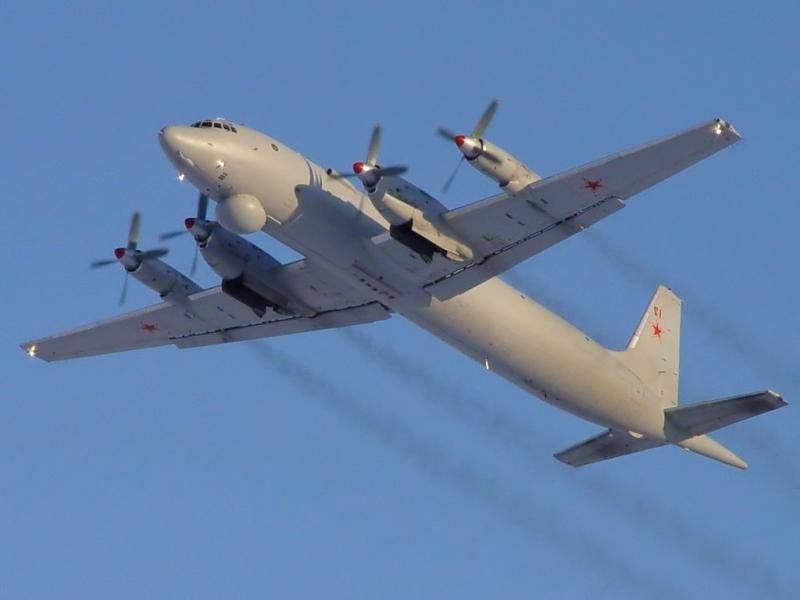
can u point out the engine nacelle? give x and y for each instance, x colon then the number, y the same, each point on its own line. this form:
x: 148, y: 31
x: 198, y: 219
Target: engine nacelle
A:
x: 164, y: 280
x: 231, y: 256
x: 246, y: 271
x: 503, y: 167
x: 413, y: 216
x: 494, y: 162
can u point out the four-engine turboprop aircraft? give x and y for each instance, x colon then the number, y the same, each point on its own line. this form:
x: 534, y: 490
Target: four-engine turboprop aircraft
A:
x: 393, y: 248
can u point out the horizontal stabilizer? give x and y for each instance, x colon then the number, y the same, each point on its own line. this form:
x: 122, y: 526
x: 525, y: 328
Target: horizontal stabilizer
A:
x: 696, y: 419
x: 609, y: 444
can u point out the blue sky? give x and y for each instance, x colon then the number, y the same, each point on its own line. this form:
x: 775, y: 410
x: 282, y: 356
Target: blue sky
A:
x: 324, y: 464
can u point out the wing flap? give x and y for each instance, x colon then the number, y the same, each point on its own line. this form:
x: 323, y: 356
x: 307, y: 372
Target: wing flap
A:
x: 607, y: 445
x: 343, y: 317
x: 697, y: 419
x: 515, y: 252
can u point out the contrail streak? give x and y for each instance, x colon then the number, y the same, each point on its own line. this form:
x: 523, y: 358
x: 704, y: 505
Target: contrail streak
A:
x: 716, y: 324
x: 517, y: 508
x: 543, y: 295
x: 497, y: 424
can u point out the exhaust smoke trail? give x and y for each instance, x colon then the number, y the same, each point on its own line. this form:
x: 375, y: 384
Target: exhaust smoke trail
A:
x: 517, y: 508
x: 748, y: 348
x: 495, y: 423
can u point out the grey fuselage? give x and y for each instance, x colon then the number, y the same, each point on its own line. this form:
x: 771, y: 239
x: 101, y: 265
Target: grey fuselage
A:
x: 331, y: 222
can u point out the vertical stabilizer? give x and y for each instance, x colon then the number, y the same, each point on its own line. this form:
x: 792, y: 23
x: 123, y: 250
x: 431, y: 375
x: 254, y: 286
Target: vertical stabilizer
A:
x: 653, y: 352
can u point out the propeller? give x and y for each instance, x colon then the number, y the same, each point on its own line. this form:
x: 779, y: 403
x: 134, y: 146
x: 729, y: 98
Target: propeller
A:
x: 191, y: 224
x: 369, y: 171
x: 471, y: 146
x: 130, y: 256
x: 202, y: 209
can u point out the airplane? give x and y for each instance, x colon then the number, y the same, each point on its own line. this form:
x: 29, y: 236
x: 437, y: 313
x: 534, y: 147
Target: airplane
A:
x: 392, y: 248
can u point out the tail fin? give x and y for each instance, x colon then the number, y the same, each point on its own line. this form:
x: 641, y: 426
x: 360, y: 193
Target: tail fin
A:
x: 653, y: 352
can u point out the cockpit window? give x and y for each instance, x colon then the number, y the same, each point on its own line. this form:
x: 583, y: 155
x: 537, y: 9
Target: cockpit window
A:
x: 216, y: 124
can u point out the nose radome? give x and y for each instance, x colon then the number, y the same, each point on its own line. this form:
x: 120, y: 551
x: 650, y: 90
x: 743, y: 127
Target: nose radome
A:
x: 170, y: 138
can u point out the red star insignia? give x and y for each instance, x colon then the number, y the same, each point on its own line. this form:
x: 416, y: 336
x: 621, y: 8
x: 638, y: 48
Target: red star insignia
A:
x: 657, y: 331
x: 593, y: 184
x: 149, y: 327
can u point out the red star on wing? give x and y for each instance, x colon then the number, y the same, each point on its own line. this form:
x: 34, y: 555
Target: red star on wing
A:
x: 657, y: 331
x: 593, y: 184
x: 149, y: 327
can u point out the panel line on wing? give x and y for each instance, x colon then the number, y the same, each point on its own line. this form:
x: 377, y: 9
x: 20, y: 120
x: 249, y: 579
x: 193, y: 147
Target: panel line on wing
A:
x: 565, y: 221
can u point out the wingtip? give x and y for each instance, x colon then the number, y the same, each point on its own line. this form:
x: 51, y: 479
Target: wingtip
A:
x: 778, y: 400
x: 559, y: 456
x: 723, y: 127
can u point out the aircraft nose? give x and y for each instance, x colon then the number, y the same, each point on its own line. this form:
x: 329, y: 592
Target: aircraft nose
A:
x: 171, y: 138
x: 179, y: 143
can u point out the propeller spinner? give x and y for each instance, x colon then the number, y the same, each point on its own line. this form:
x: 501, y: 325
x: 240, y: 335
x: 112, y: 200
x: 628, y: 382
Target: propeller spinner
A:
x: 471, y: 146
x: 369, y: 171
x: 196, y: 225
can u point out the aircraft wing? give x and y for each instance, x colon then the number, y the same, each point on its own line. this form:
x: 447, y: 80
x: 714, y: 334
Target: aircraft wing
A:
x: 212, y: 317
x: 609, y: 444
x: 507, y: 229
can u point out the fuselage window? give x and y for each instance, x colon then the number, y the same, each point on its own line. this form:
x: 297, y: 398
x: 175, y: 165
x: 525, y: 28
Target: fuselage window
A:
x: 218, y: 125
x: 233, y: 129
x: 226, y: 127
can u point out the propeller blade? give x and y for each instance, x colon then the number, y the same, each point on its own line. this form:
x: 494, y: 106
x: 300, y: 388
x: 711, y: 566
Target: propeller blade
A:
x: 172, y: 234
x: 202, y: 207
x: 374, y: 144
x: 450, y: 179
x: 360, y: 211
x: 151, y: 254
x: 338, y: 175
x: 485, y: 119
x: 133, y: 232
x: 389, y: 171
x: 96, y: 264
x: 446, y: 134
x: 193, y: 270
x: 124, y: 293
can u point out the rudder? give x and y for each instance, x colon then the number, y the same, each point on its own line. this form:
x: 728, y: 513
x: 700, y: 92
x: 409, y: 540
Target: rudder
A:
x: 653, y: 352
